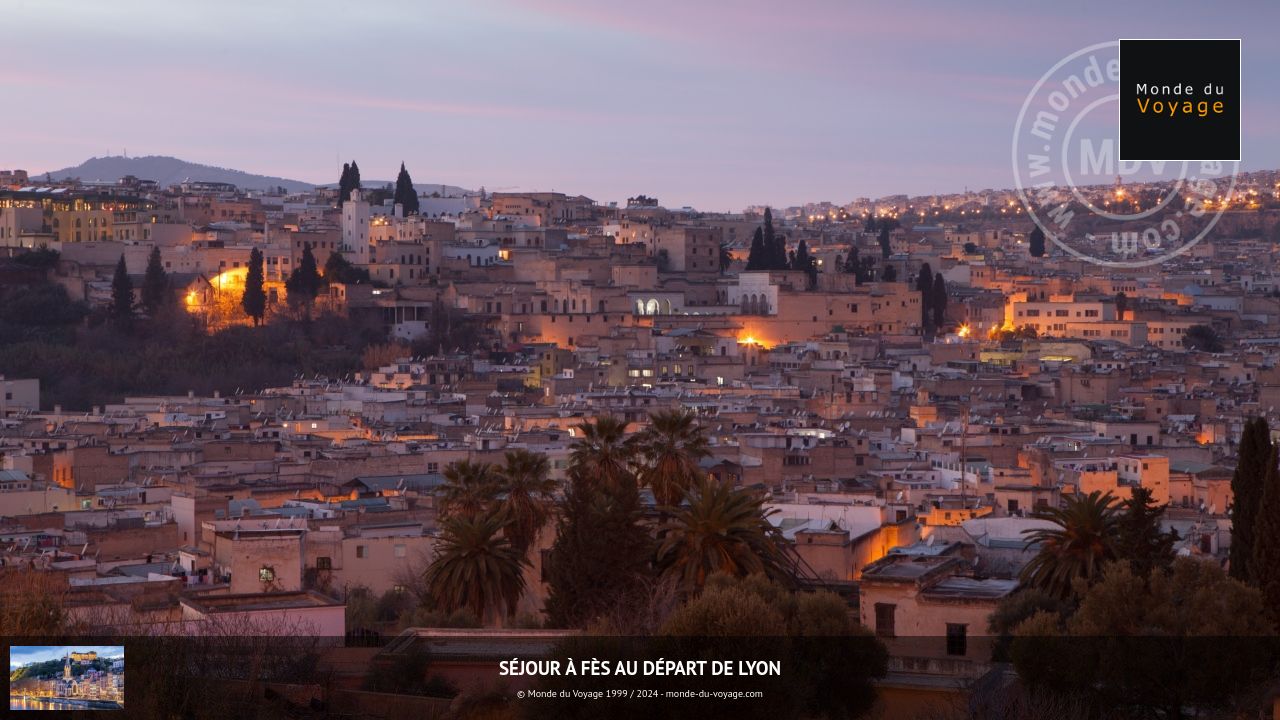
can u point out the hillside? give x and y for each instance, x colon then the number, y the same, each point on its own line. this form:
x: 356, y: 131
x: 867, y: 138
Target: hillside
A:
x: 168, y: 171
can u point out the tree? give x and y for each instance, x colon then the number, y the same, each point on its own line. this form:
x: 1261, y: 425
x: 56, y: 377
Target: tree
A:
x: 1190, y: 637
x: 924, y: 285
x: 1083, y: 541
x: 775, y: 246
x: 349, y: 181
x: 337, y: 269
x: 1203, y: 338
x: 1122, y: 302
x: 602, y: 555
x: 406, y: 196
x: 889, y: 274
x: 938, y: 299
x: 155, y: 284
x: 1140, y: 540
x: 121, y: 307
x: 1035, y: 242
x: 671, y: 448
x: 469, y: 488
x: 1246, y: 489
x: 304, y: 282
x: 602, y: 455
x: 885, y: 248
x: 476, y: 567
x: 526, y: 495
x: 721, y: 529
x: 1266, y: 541
x: 970, y: 249
x: 756, y: 258
x: 254, y: 300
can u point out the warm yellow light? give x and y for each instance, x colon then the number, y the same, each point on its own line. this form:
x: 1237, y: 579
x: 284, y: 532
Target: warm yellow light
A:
x: 964, y: 331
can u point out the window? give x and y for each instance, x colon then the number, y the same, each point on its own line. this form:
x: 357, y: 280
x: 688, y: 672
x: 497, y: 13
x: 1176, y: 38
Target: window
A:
x: 957, y: 639
x: 360, y: 551
x: 884, y: 619
x: 324, y: 563
x: 267, y: 574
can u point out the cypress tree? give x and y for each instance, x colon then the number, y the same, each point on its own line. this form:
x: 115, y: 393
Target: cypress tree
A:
x: 1036, y: 242
x: 1265, y: 564
x: 775, y: 248
x: 889, y: 274
x: 756, y: 259
x: 939, y: 300
x: 254, y: 300
x: 924, y: 285
x: 121, y: 307
x: 1246, y: 488
x: 155, y: 284
x: 1141, y: 541
x: 885, y: 249
x: 344, y: 183
x: 601, y: 555
x: 304, y: 282
x: 355, y: 176
x: 405, y: 195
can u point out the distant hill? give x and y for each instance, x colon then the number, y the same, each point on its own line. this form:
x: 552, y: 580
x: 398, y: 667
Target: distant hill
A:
x: 168, y: 171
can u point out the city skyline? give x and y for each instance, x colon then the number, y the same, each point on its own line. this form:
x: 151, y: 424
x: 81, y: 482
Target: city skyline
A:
x: 759, y: 106
x: 22, y: 655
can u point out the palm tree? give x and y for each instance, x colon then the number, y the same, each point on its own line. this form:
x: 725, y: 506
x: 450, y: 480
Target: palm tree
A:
x: 671, y: 447
x: 469, y: 488
x: 602, y: 454
x: 720, y: 529
x: 1083, y: 541
x: 526, y: 495
x: 476, y: 566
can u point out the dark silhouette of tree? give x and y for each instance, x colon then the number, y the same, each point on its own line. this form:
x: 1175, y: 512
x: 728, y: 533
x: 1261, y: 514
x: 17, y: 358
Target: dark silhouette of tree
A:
x: 775, y: 247
x: 304, y: 282
x: 155, y: 284
x: 602, y: 554
x: 938, y: 299
x: 1082, y: 542
x: 885, y: 249
x: 1140, y: 539
x: 757, y: 259
x: 476, y: 566
x: 254, y: 300
x: 924, y: 285
x: 889, y: 274
x: 121, y: 307
x: 1266, y: 540
x: 970, y: 249
x: 338, y: 270
x: 869, y: 225
x: 1035, y: 242
x: 1122, y: 304
x: 1181, y: 643
x: 721, y: 529
x: 1246, y: 489
x: 1202, y: 337
x: 406, y: 196
x: 671, y: 448
x: 525, y: 494
x: 349, y: 181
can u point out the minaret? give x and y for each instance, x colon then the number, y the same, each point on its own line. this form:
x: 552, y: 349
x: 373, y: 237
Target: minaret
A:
x: 66, y: 667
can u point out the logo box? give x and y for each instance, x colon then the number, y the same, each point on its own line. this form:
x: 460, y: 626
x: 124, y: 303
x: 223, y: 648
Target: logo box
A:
x: 1180, y: 100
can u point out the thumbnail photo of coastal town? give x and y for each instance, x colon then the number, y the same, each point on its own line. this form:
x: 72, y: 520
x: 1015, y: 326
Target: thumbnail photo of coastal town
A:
x: 586, y: 359
x: 63, y: 677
